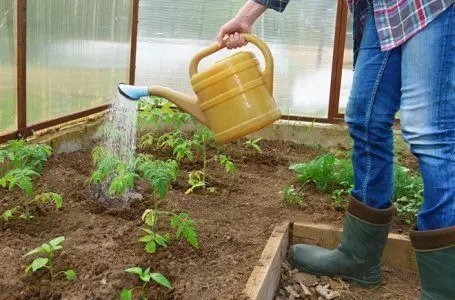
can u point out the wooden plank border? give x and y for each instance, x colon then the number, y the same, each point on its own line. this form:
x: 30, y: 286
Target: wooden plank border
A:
x: 265, y: 278
x: 397, y: 253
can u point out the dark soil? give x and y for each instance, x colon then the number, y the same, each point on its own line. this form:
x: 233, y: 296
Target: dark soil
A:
x: 234, y: 226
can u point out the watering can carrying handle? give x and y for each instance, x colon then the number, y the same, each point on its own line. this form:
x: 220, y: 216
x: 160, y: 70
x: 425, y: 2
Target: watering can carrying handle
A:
x: 267, y: 74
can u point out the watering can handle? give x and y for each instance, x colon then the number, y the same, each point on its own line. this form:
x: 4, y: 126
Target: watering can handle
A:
x: 267, y: 74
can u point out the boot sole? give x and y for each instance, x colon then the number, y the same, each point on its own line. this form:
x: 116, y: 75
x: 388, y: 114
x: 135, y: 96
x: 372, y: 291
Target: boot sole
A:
x: 354, y: 281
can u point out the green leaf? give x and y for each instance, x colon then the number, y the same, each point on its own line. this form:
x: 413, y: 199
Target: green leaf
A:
x: 160, y: 240
x: 159, y: 278
x: 34, y: 251
x: 9, y: 214
x: 126, y: 294
x: 150, y: 247
x: 39, y: 263
x: 134, y: 270
x: 70, y: 274
x: 47, y: 248
x: 146, y: 238
x: 56, y: 241
x: 145, y: 276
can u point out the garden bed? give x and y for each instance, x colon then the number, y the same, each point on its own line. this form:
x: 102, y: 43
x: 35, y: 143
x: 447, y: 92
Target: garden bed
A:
x: 233, y: 224
x: 273, y: 278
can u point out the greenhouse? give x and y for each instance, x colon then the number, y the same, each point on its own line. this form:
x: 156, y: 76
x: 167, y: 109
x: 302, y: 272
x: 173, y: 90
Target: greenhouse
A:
x: 241, y: 149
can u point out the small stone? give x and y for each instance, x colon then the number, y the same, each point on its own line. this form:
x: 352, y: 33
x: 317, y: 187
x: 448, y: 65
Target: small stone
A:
x: 297, y: 288
x: 324, y: 280
x: 305, y: 291
x: 103, y: 281
x: 326, y: 293
x: 286, y: 266
x: 306, y: 279
x: 291, y: 291
x: 337, y: 284
x: 386, y: 269
x: 387, y: 296
x: 294, y: 271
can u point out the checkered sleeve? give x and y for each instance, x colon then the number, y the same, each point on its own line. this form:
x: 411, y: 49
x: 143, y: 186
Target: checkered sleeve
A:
x: 278, y: 5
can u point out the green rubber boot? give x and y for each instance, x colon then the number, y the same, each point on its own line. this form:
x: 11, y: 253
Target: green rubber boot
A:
x: 358, y: 258
x: 435, y: 254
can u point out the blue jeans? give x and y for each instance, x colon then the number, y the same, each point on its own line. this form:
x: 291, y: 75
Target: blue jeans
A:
x: 419, y: 79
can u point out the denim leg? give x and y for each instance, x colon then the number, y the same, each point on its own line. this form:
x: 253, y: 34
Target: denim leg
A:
x: 373, y: 103
x: 428, y: 116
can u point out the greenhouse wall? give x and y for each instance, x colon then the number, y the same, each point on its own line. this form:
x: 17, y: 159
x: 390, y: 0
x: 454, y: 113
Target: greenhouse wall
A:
x: 62, y: 59
x: 8, y: 65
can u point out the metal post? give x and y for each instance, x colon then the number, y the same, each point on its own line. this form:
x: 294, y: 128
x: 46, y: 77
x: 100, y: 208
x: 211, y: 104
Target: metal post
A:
x: 134, y: 25
x: 21, y: 66
x: 337, y: 61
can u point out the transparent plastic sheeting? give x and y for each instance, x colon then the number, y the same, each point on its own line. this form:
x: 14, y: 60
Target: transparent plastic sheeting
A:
x: 348, y: 73
x: 77, y: 53
x: 7, y: 65
x: 301, y: 40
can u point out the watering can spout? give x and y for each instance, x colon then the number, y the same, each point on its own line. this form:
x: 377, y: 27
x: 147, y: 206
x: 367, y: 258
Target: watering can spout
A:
x: 186, y: 103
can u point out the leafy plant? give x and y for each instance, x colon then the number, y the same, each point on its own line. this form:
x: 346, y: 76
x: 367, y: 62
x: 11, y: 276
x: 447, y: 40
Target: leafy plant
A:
x: 145, y: 276
x: 254, y: 144
x: 196, y: 181
x: 291, y: 195
x: 333, y: 174
x: 23, y: 156
x: 228, y: 164
x: 22, y: 179
x: 47, y: 262
x: 408, y: 194
x: 159, y: 112
x: 181, y: 223
x: 327, y: 172
x: 159, y: 174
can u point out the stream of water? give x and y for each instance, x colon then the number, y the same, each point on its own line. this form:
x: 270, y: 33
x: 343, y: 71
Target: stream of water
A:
x: 121, y: 127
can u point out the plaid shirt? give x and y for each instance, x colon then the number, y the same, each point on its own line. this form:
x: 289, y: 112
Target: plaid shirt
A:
x: 396, y: 20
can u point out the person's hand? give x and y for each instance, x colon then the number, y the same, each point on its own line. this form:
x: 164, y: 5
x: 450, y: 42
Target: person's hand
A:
x: 231, y: 31
x: 241, y: 23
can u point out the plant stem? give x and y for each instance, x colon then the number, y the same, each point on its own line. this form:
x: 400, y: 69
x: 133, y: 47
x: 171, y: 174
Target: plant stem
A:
x: 143, y: 290
x: 51, y: 268
x: 204, y: 165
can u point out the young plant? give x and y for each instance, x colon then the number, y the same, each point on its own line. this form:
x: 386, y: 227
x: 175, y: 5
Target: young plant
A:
x: 254, y: 145
x: 160, y: 112
x: 145, y: 276
x: 183, y: 225
x: 22, y: 179
x: 23, y: 156
x: 152, y: 239
x: 196, y: 181
x: 227, y: 164
x: 46, y: 260
x: 159, y: 174
x: 332, y: 174
x: 291, y: 195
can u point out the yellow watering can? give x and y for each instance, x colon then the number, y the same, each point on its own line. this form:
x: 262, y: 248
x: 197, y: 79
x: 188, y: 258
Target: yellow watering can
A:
x: 234, y: 97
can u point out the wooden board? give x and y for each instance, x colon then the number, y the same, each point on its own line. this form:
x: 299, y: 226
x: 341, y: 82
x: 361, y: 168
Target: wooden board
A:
x: 397, y: 253
x: 265, y: 278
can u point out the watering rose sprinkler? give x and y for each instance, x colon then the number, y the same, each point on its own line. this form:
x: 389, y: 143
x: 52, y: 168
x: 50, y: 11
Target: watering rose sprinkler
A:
x: 233, y: 97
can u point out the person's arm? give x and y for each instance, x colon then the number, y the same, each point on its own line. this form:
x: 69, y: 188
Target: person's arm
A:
x: 245, y: 19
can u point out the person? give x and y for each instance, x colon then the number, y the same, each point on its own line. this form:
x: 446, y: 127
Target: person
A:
x: 404, y: 58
